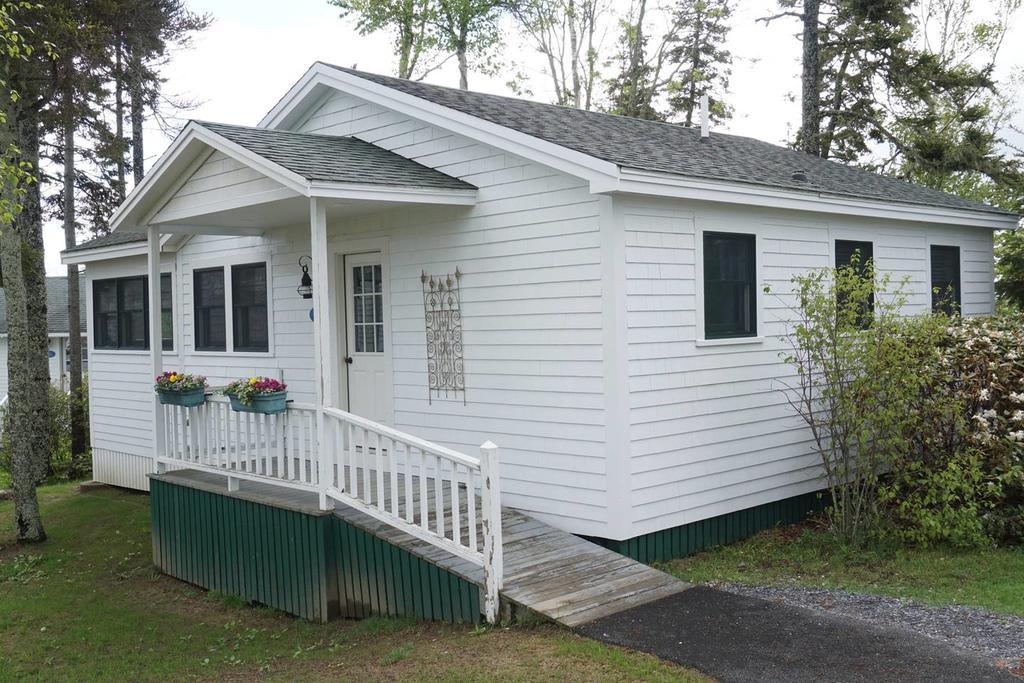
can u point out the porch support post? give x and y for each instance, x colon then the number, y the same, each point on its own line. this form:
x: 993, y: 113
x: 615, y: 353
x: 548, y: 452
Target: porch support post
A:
x: 155, y: 338
x: 323, y: 376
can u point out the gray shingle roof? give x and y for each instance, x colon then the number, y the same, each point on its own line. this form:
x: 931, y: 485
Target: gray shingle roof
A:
x: 675, y: 149
x: 56, y: 305
x: 112, y: 240
x: 336, y: 158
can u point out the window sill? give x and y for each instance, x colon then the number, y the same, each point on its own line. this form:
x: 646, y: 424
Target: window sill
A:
x: 730, y: 341
x: 233, y: 354
x: 127, y: 352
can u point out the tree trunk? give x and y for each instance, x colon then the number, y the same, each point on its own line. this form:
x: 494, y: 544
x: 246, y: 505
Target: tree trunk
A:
x: 460, y: 52
x: 119, y: 114
x: 78, y: 418
x: 810, y: 82
x: 138, y: 110
x: 21, y: 251
x: 574, y: 52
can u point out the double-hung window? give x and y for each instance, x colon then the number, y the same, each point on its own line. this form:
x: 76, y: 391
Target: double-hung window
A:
x: 730, y: 288
x: 249, y: 307
x: 945, y: 278
x: 121, y: 313
x: 859, y: 256
x: 246, y: 284
x: 208, y: 295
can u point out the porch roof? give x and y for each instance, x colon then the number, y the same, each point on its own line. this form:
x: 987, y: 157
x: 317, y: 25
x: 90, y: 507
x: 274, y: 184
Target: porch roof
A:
x: 335, y: 158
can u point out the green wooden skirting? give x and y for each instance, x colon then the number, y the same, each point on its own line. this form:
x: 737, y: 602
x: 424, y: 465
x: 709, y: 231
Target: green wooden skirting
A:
x: 690, y: 538
x: 375, y: 577
x: 315, y: 566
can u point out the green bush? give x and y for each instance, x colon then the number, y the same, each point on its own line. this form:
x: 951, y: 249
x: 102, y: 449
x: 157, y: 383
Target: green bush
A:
x: 963, y: 480
x: 854, y: 384
x: 918, y: 421
x: 61, y: 466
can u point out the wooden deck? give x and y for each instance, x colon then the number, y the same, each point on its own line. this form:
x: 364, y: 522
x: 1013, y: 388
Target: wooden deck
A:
x: 554, y: 573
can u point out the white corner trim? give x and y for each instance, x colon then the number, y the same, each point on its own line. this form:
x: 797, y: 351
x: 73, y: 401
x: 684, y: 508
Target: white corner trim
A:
x: 635, y: 181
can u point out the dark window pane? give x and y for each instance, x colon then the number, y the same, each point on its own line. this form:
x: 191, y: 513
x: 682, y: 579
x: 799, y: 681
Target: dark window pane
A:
x: 860, y: 256
x: 131, y: 304
x: 166, y: 314
x: 105, y: 314
x: 730, y: 297
x: 946, y: 294
x: 208, y: 296
x: 249, y: 307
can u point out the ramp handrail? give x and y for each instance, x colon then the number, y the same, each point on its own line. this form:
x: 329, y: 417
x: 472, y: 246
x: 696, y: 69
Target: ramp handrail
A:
x: 439, y: 495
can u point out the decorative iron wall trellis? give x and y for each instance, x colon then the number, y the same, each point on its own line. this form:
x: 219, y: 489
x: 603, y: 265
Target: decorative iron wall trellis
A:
x: 442, y: 307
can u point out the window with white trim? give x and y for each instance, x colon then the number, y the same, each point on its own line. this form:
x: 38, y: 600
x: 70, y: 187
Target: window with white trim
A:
x: 730, y: 289
x: 121, y: 313
x: 249, y: 322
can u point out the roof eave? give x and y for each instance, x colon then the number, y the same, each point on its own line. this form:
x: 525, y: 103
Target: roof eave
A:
x: 114, y: 251
x: 393, y: 193
x: 637, y: 181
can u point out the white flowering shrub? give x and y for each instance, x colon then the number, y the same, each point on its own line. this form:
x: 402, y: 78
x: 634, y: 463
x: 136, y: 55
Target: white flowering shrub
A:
x: 962, y: 479
x: 919, y: 421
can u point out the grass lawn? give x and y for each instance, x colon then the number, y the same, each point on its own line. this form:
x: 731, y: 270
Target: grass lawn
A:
x: 805, y: 556
x: 88, y: 605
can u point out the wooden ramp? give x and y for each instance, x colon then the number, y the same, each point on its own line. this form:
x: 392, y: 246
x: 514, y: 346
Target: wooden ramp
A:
x: 548, y: 571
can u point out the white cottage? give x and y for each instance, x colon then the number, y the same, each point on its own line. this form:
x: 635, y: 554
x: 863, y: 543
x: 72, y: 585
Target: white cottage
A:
x: 602, y: 317
x: 58, y: 350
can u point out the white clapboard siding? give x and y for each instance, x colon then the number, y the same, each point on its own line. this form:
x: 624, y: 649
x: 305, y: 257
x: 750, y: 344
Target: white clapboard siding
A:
x: 710, y: 429
x: 120, y: 386
x: 220, y: 179
x: 530, y: 253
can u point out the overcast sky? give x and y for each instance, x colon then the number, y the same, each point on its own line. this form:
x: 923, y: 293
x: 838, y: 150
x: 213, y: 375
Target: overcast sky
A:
x: 255, y: 50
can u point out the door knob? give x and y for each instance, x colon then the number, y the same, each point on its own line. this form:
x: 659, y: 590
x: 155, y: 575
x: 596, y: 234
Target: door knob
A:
x: 348, y: 359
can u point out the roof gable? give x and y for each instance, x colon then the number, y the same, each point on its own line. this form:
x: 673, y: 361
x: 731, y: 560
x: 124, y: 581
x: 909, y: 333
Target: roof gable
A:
x: 677, y: 150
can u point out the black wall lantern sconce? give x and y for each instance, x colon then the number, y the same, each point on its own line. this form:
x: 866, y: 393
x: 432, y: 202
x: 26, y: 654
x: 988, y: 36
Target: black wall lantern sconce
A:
x: 305, y: 288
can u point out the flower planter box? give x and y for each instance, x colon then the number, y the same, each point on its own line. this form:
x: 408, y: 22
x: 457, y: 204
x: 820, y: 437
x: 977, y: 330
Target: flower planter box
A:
x: 268, y: 404
x: 186, y: 399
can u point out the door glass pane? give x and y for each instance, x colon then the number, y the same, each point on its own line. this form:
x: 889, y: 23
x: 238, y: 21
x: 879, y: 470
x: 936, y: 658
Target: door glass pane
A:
x: 368, y: 309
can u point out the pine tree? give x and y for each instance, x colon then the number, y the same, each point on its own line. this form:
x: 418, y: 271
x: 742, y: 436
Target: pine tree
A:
x: 702, y: 27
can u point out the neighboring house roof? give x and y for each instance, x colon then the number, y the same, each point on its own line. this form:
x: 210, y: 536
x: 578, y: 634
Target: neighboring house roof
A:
x: 56, y: 306
x: 112, y: 240
x: 675, y: 149
x: 335, y: 158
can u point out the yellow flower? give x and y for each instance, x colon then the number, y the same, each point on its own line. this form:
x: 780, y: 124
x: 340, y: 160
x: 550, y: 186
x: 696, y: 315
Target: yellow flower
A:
x: 253, y: 380
x: 173, y: 378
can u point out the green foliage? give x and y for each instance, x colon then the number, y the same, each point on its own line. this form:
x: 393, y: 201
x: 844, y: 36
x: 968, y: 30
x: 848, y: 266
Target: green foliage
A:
x: 665, y: 79
x: 919, y: 421
x: 854, y: 383
x: 961, y: 481
x: 60, y: 465
x: 1010, y: 268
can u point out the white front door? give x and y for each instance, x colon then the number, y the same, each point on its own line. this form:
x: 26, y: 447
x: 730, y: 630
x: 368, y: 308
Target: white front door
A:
x: 368, y: 342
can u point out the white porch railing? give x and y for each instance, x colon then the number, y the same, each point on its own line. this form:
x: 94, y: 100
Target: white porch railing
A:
x: 436, y: 494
